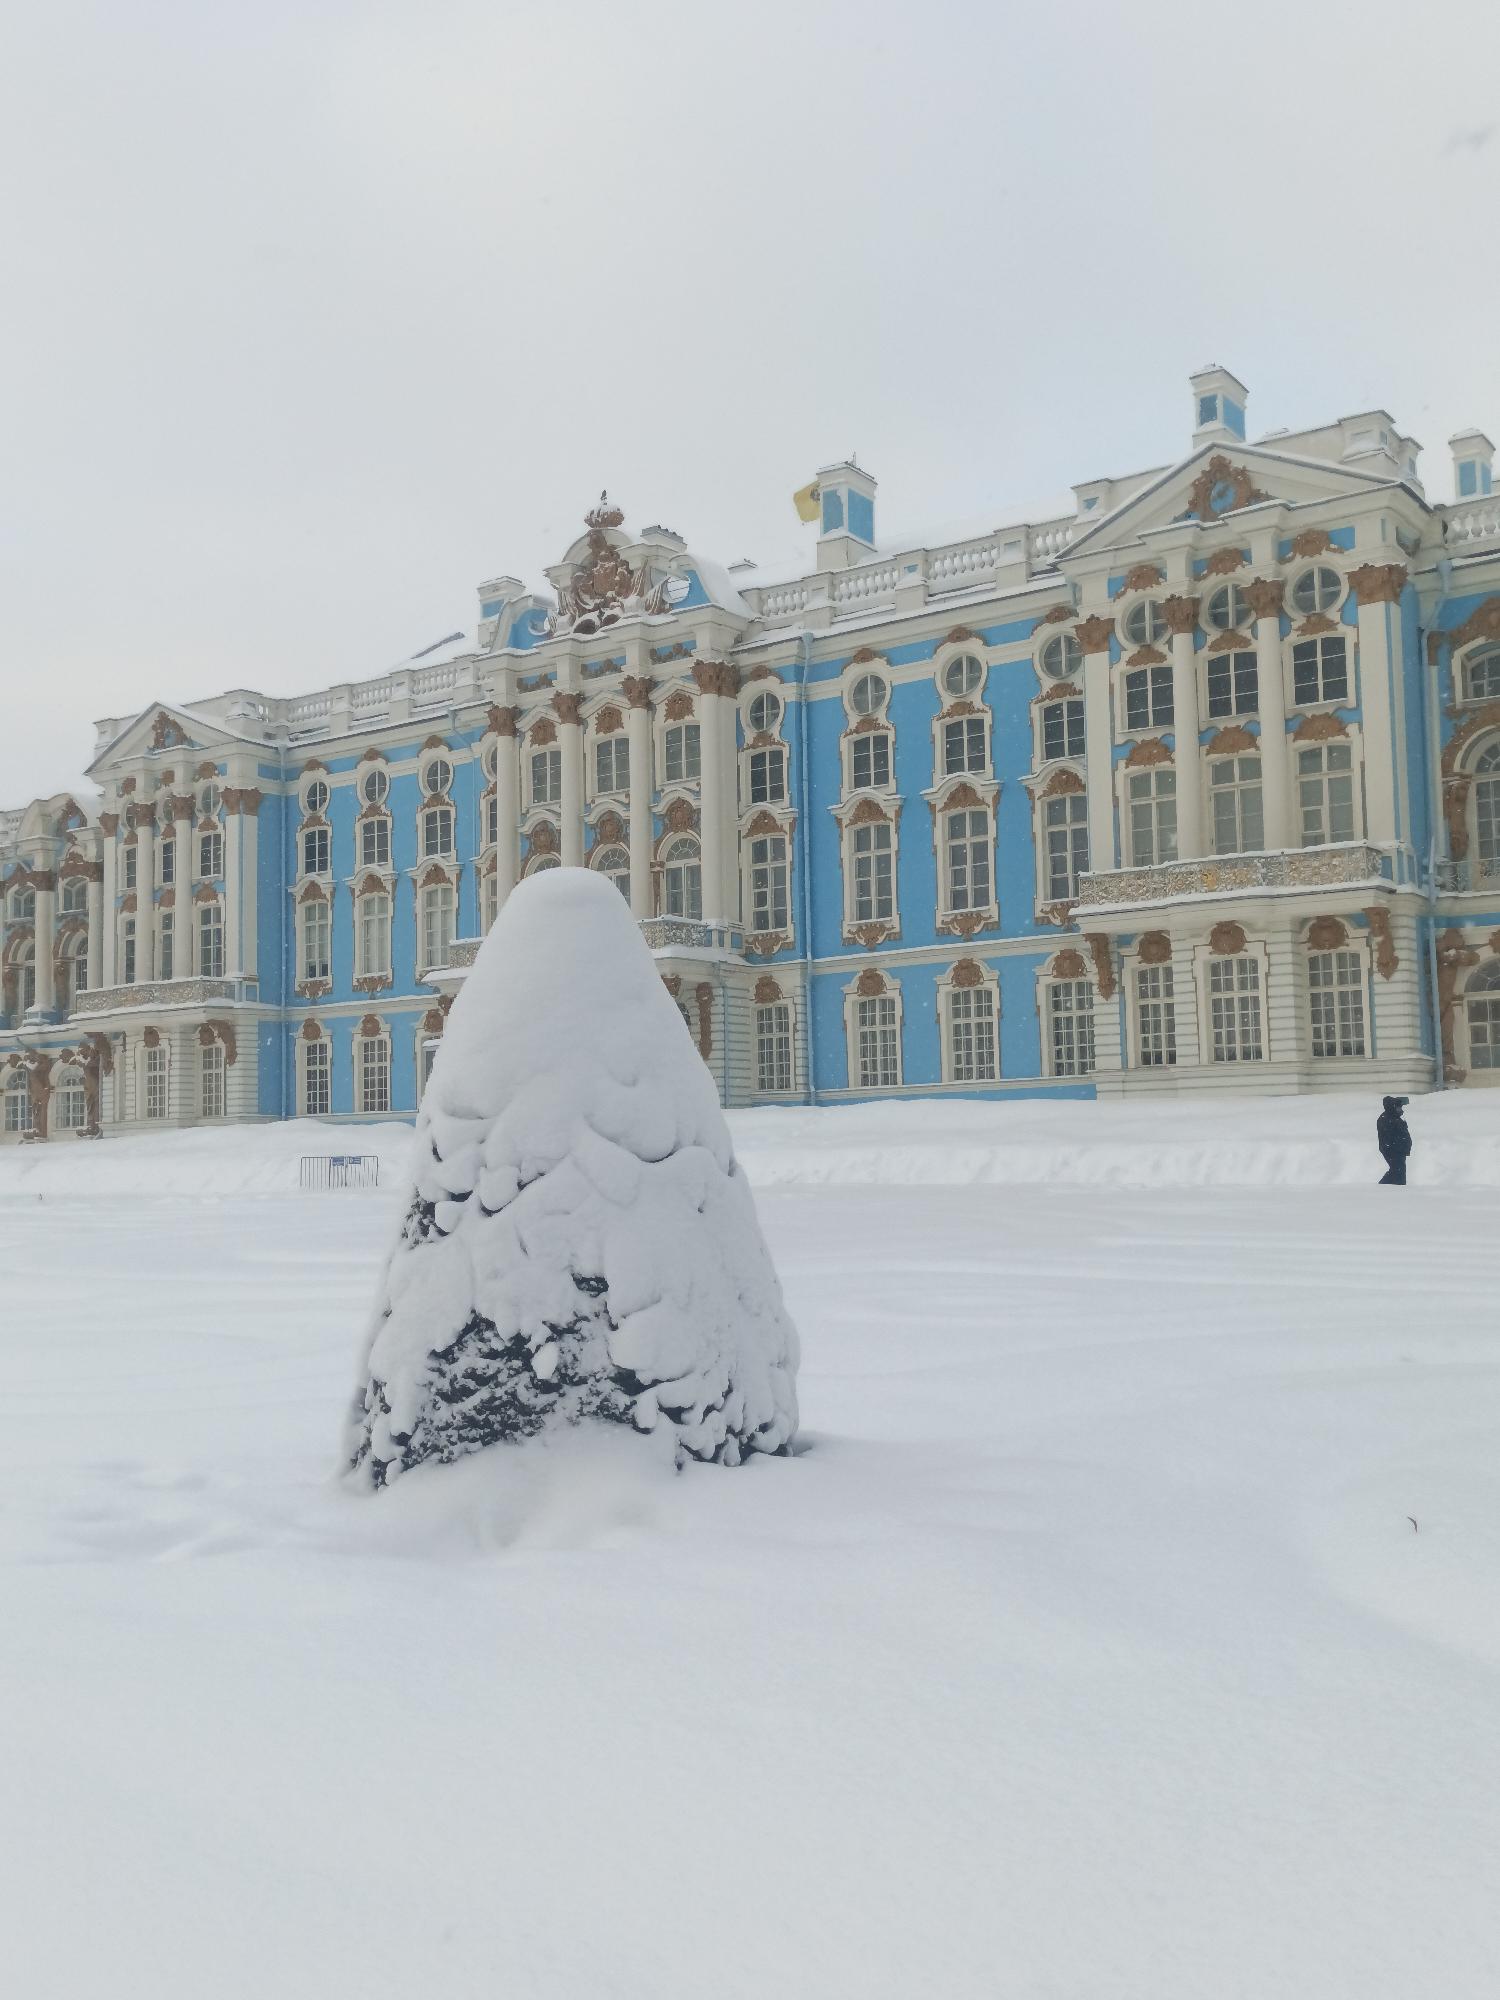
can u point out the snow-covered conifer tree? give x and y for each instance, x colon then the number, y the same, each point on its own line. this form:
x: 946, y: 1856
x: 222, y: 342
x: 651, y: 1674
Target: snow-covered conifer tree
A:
x: 581, y: 1243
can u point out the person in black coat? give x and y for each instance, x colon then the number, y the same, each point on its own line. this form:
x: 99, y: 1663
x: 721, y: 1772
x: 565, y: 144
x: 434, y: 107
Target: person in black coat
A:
x: 1393, y: 1136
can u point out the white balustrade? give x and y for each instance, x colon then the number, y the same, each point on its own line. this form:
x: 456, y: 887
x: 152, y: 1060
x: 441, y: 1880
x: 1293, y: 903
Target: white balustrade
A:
x: 1477, y: 522
x: 1048, y: 543
x: 862, y: 585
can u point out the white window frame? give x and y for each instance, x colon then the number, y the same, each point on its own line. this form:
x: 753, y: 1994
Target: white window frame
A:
x: 314, y: 926
x: 209, y: 940
x: 434, y: 901
x: 375, y: 824
x: 950, y: 998
x: 1478, y: 987
x: 311, y: 1073
x: 1076, y: 819
x: 878, y: 787
x: 781, y: 1037
x: 1044, y: 760
x: 760, y: 887
x: 1239, y: 789
x: 1167, y: 1037
x: 156, y: 1084
x: 1154, y: 787
x: 677, y: 862
x: 1350, y: 964
x: 213, y: 1080
x: 947, y: 836
x: 891, y: 1022
x: 368, y: 1071
x: 1204, y: 958
x: 372, y: 927
x: 613, y: 750
x: 1323, y: 745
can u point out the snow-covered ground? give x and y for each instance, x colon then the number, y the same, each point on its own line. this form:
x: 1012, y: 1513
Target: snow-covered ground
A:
x: 1128, y: 1626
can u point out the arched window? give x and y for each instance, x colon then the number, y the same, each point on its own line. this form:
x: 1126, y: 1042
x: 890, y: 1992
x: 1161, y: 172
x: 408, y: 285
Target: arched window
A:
x: 211, y: 1080
x: 17, y: 1102
x: 1482, y: 1007
x: 615, y: 863
x: 23, y: 959
x: 1487, y: 808
x: 542, y: 863
x: 1482, y: 674
x: 23, y: 906
x: 73, y: 970
x: 489, y: 899
x: 74, y: 901
x: 682, y: 879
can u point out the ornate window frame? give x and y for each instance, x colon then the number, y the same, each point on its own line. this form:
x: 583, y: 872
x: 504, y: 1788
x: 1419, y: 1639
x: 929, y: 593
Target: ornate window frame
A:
x: 1233, y: 745
x: 1068, y: 966
x: 767, y: 824
x: 1149, y: 757
x: 1049, y: 696
x: 874, y: 723
x: 1482, y: 980
x: 968, y: 795
x: 966, y: 975
x: 605, y: 721
x: 208, y: 916
x: 1155, y: 952
x: 312, y: 1035
x: 769, y: 995
x: 871, y: 985
x: 430, y: 882
x: 1059, y: 780
x: 1315, y: 730
x: 868, y: 809
x: 675, y: 706
x: 372, y: 1031
x: 1463, y: 660
x: 367, y: 978
x: 311, y: 897
x: 1328, y: 937
x: 1229, y: 940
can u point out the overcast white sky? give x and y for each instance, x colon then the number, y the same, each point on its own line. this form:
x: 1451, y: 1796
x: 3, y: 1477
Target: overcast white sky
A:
x: 315, y: 313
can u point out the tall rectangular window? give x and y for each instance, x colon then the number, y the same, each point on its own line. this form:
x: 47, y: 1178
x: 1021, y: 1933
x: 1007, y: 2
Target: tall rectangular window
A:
x: 768, y: 777
x: 1235, y: 795
x: 968, y: 878
x: 210, y: 857
x: 682, y: 753
x: 963, y: 745
x: 130, y: 866
x: 437, y: 924
x: 1152, y: 798
x: 874, y: 899
x: 168, y: 854
x: 611, y: 764
x: 211, y: 1080
x: 373, y: 938
x: 1148, y: 698
x: 210, y: 941
x: 315, y: 850
x: 1325, y: 791
x: 1233, y: 684
x: 127, y: 951
x: 1065, y: 823
x: 1234, y: 1010
x: 1320, y: 671
x: 1062, y: 729
x: 437, y: 832
x: 374, y: 1073
x: 768, y: 884
x: 1155, y: 1017
x: 546, y: 777
x: 1336, y: 1002
x: 317, y: 1075
x: 870, y: 761
x: 773, y: 1047
x: 316, y: 936
x: 375, y: 842
x: 1070, y: 1018
x: 156, y: 1083
x: 973, y: 1045
x: 168, y: 968
x: 878, y: 1045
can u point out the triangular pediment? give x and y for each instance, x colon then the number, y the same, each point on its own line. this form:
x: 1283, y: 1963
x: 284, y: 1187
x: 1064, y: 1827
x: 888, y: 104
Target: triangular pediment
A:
x: 160, y: 729
x: 1219, y: 482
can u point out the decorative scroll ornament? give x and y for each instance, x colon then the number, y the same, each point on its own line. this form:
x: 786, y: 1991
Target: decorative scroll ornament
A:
x: 1222, y: 488
x: 605, y: 587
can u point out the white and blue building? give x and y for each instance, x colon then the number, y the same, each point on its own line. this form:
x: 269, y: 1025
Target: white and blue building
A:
x: 1193, y: 786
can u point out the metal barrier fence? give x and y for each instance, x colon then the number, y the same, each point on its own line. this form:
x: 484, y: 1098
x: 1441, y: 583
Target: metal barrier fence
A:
x: 322, y: 1171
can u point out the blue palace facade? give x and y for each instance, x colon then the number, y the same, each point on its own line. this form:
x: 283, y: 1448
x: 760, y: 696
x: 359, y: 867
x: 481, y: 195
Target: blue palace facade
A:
x: 1194, y: 786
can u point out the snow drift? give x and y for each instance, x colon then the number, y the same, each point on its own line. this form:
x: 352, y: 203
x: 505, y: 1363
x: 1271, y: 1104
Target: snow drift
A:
x: 581, y: 1242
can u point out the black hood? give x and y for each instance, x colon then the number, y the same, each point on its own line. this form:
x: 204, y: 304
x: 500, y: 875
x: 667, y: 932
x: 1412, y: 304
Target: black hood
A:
x: 1395, y: 1104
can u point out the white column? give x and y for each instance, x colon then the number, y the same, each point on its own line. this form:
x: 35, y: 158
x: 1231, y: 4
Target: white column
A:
x: 637, y: 690
x: 145, y: 894
x: 1182, y: 621
x: 44, y: 943
x: 94, y: 899
x: 233, y: 899
x: 185, y: 957
x: 1098, y: 741
x: 570, y: 737
x: 1377, y: 590
x: 507, y: 803
x: 729, y: 769
x: 109, y: 855
x: 710, y: 789
x: 250, y: 884
x: 1265, y: 596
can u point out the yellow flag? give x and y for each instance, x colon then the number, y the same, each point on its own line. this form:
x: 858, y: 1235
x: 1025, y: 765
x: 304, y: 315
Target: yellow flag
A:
x: 805, y: 500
